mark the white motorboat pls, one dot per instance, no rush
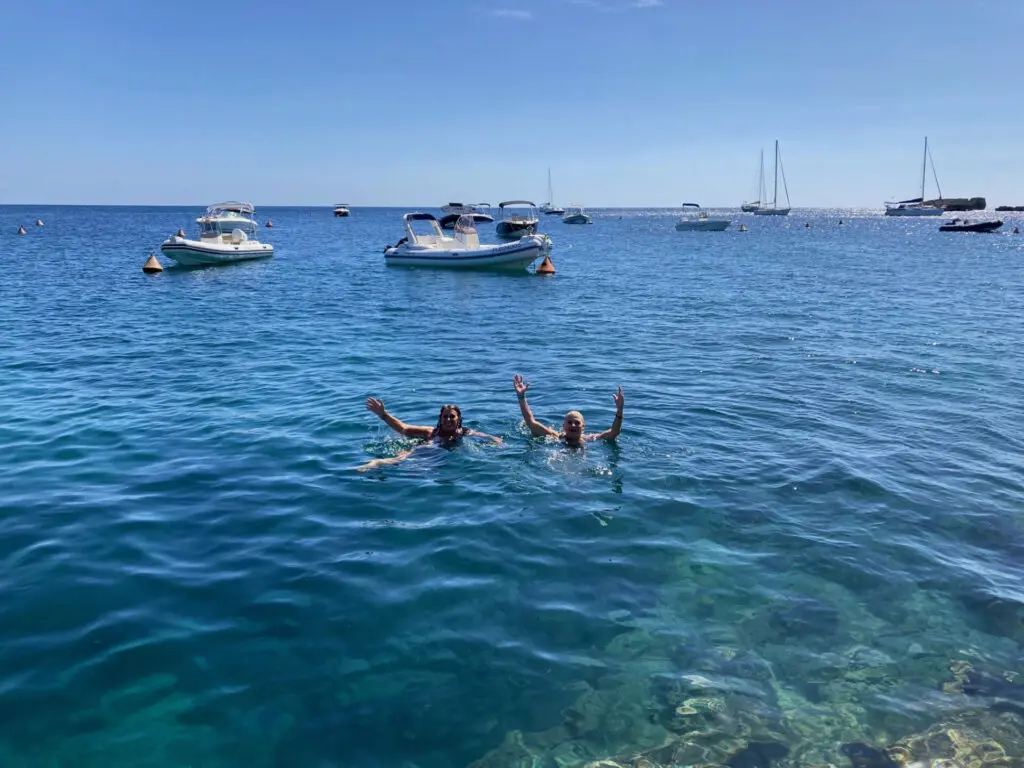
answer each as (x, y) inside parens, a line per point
(574, 214)
(460, 209)
(549, 208)
(773, 209)
(698, 220)
(341, 210)
(225, 235)
(463, 250)
(917, 206)
(513, 225)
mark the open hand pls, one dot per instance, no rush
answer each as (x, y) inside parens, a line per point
(520, 385)
(375, 406)
(619, 399)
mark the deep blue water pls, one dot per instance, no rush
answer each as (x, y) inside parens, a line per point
(816, 503)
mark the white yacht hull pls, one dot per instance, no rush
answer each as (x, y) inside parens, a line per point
(703, 225)
(923, 210)
(517, 255)
(195, 253)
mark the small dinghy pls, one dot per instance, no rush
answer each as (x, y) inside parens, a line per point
(963, 225)
(461, 251)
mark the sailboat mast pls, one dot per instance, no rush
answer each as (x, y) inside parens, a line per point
(924, 166)
(775, 193)
(551, 196)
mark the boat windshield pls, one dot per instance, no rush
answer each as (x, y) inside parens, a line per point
(216, 225)
(465, 225)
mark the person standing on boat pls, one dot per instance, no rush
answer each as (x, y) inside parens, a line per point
(572, 433)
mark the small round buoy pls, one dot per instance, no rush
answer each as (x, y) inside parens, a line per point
(840, 222)
(21, 230)
(743, 227)
(546, 267)
(152, 265)
(181, 233)
(269, 224)
(39, 222)
(1016, 230)
(807, 224)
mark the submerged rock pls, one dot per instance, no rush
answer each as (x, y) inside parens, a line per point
(968, 740)
(803, 617)
(863, 756)
(758, 755)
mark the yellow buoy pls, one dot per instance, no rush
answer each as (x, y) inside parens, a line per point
(546, 267)
(181, 233)
(269, 224)
(39, 222)
(21, 230)
(152, 265)
(743, 227)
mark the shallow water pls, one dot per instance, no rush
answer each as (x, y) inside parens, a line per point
(815, 504)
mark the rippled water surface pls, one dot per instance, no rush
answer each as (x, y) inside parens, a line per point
(815, 506)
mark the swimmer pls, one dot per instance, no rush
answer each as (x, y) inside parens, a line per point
(448, 432)
(572, 433)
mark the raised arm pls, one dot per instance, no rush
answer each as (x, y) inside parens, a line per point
(612, 433)
(409, 430)
(536, 428)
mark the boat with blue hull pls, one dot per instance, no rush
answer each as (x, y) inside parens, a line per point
(963, 225)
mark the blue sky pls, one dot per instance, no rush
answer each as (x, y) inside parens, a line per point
(402, 102)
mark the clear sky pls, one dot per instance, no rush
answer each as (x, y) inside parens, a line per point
(408, 102)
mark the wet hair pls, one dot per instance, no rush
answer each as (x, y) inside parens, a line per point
(460, 430)
(574, 415)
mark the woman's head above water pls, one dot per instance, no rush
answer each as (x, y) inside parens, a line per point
(449, 422)
(573, 426)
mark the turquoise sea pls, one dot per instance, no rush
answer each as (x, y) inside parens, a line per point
(805, 547)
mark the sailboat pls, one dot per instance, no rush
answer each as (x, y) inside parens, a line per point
(761, 193)
(916, 206)
(773, 209)
(550, 207)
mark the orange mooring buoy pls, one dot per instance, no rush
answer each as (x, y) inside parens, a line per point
(546, 267)
(21, 230)
(152, 265)
(269, 224)
(181, 233)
